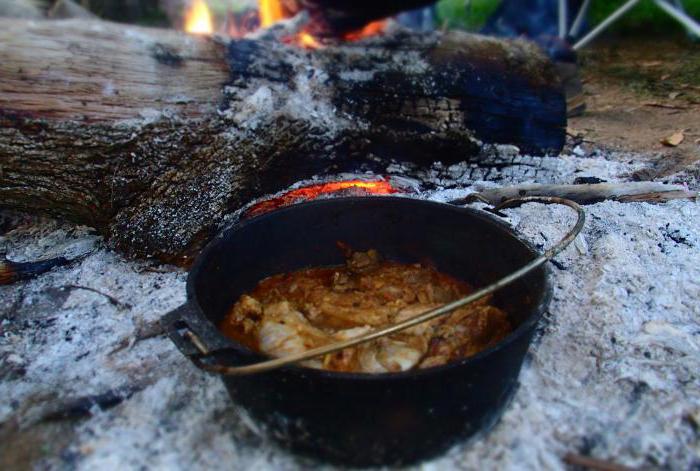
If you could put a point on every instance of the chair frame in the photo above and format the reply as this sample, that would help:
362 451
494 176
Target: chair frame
674 10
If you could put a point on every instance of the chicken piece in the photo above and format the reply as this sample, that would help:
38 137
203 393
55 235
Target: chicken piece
250 306
423 329
362 262
285 331
243 321
348 334
386 355
346 359
466 332
352 311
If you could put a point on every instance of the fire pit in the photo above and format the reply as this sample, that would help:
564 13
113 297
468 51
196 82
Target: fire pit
161 139
115 382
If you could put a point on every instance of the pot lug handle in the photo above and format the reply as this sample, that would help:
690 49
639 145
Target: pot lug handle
190 334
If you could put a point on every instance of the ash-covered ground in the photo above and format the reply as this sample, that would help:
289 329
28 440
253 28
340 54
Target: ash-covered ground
86 382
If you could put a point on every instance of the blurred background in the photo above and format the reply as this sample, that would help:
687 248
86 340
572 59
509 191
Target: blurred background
645 17
465 14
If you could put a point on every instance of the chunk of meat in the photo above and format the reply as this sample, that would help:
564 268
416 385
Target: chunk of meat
466 332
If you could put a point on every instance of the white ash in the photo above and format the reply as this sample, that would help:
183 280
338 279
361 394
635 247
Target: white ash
307 94
305 97
614 375
357 75
506 166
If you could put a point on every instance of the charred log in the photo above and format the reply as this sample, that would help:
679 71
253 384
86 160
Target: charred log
153 136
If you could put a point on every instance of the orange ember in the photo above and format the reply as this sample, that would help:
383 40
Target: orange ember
308 41
312 192
370 29
198 18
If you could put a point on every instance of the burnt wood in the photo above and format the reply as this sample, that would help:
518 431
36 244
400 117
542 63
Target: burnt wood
154 136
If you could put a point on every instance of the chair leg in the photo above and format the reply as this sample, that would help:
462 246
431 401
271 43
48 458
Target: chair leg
617 14
580 18
563 18
680 15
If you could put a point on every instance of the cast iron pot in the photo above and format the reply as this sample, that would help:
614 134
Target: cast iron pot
365 419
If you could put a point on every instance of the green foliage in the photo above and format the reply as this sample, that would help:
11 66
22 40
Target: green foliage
467 14
645 17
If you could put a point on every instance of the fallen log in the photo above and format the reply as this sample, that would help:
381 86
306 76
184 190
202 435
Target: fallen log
153 136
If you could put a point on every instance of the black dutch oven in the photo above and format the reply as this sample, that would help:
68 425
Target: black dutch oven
365 419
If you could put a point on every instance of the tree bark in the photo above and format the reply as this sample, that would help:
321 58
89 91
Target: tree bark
153 136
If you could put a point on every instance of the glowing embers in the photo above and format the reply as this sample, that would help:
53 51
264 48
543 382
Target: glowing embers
312 192
370 29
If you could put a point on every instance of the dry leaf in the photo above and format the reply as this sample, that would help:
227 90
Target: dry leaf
665 77
664 105
674 139
674 95
575 132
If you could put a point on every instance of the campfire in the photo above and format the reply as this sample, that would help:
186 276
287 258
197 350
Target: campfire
198 19
314 170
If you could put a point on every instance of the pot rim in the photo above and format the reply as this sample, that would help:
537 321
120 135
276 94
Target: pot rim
536 312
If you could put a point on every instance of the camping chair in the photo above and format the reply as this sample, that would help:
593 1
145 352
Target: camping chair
674 10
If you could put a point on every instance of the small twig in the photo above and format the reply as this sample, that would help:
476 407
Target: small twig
663 105
587 193
75 408
10 271
112 300
143 332
558 264
159 270
575 459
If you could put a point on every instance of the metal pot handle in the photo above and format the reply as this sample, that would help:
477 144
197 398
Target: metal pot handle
187 329
275 363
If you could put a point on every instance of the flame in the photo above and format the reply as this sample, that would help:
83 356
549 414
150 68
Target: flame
198 18
370 29
271 11
310 193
